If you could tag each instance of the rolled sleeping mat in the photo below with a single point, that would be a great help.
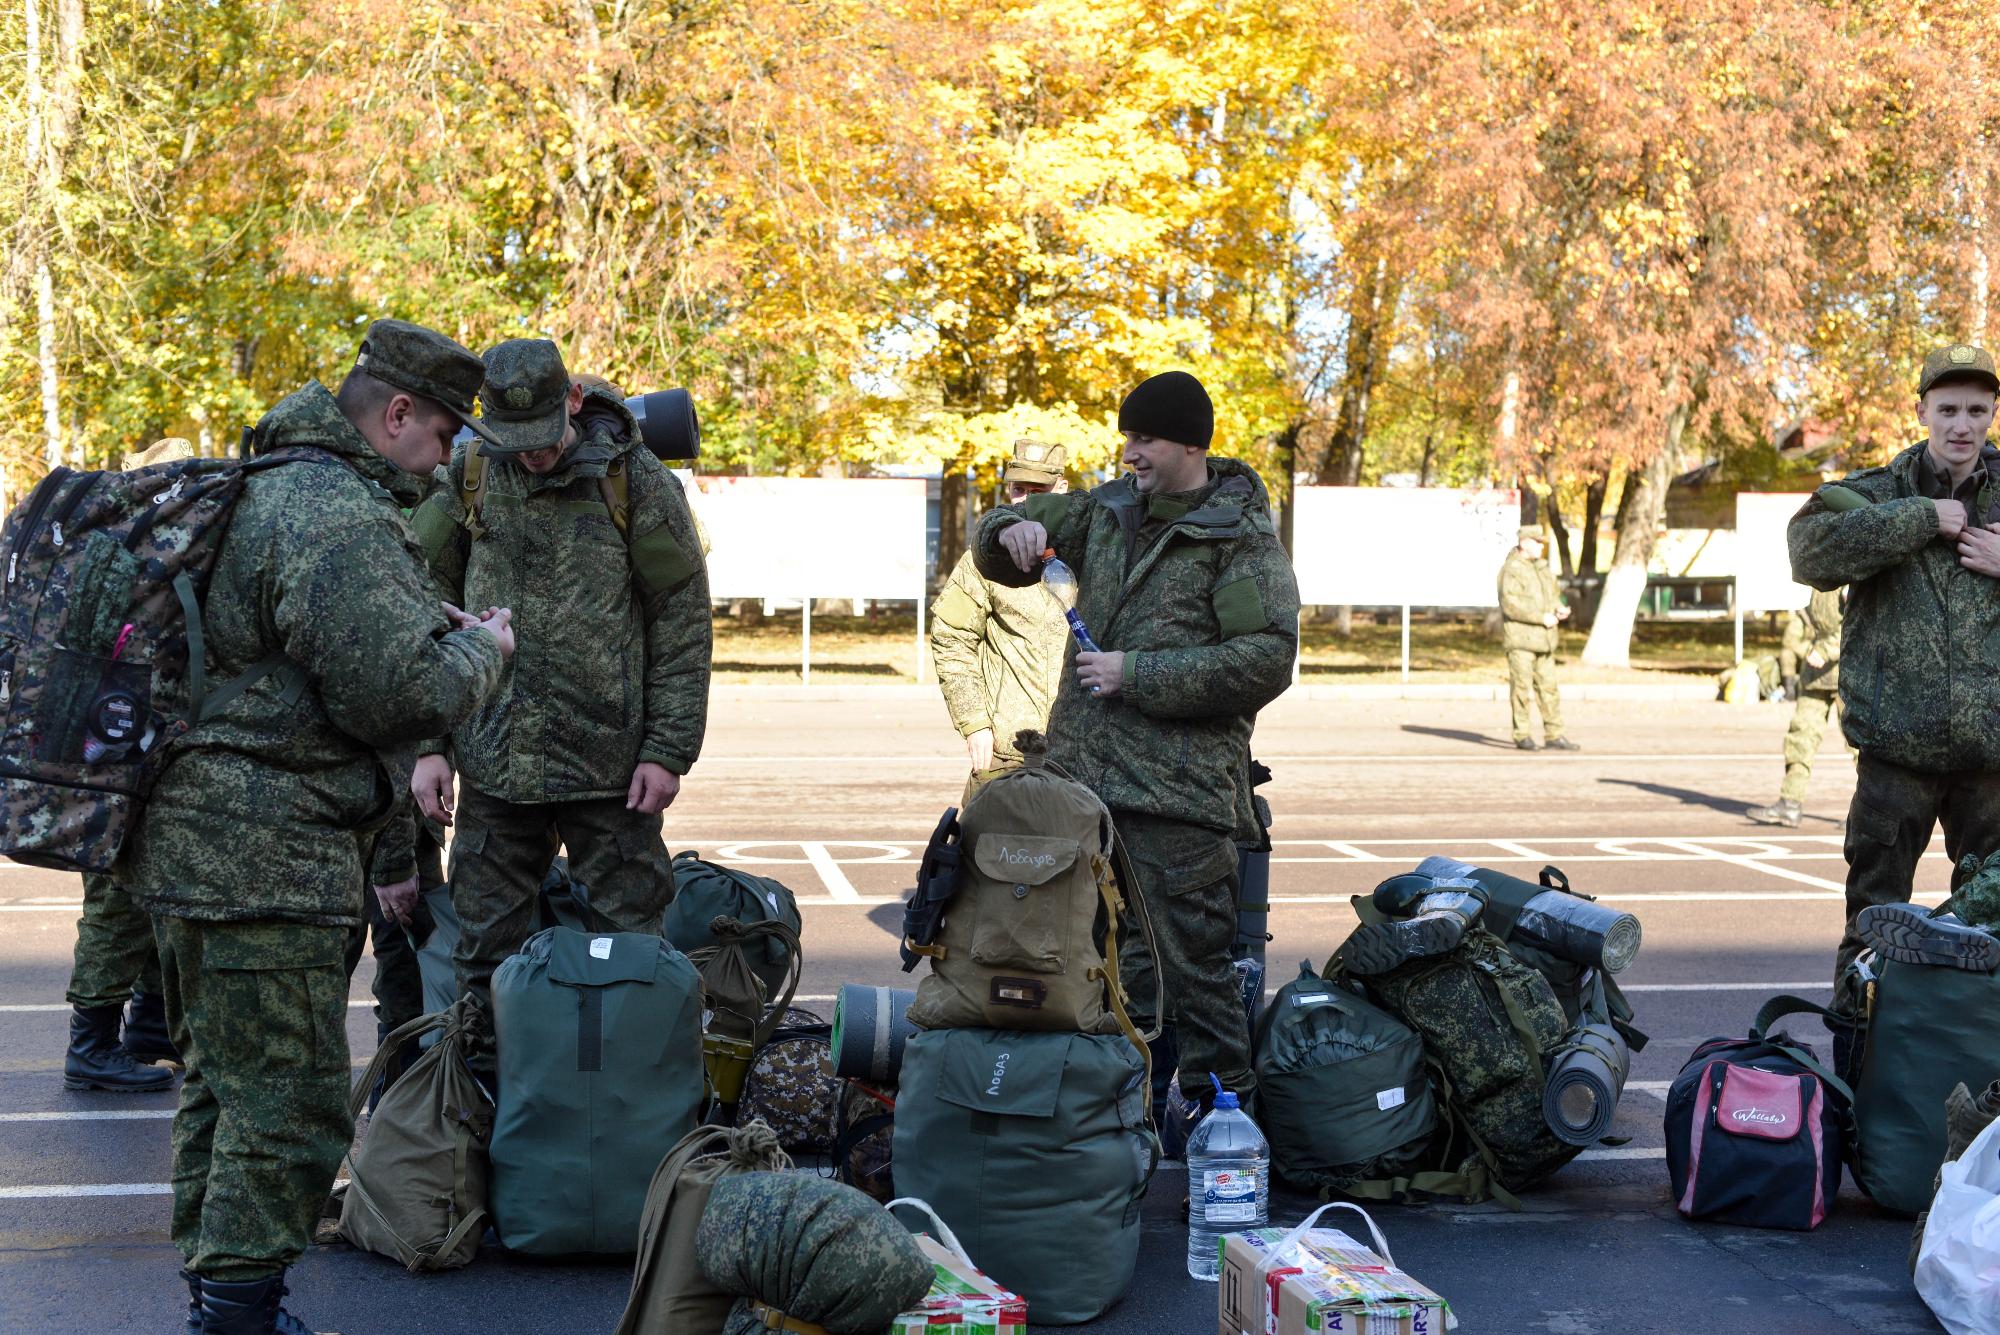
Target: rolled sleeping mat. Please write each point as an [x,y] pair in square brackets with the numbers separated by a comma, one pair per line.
[1580,930]
[870,1026]
[1584,1085]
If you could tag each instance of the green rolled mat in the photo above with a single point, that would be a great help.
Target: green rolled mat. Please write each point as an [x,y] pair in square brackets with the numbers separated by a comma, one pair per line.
[1585,1082]
[809,1248]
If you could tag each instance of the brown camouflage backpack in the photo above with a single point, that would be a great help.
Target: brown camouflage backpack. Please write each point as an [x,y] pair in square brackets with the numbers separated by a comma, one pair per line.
[791,1087]
[101,647]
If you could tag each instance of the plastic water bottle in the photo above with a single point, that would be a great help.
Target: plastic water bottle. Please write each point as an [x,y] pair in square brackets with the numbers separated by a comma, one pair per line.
[1060,581]
[1229,1182]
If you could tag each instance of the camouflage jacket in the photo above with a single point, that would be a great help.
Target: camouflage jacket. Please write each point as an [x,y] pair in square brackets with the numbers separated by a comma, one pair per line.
[1814,628]
[1528,592]
[1917,680]
[612,663]
[264,812]
[999,655]
[1203,604]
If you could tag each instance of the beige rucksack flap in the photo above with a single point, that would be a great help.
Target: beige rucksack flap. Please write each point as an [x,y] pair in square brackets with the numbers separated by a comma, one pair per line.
[669,1295]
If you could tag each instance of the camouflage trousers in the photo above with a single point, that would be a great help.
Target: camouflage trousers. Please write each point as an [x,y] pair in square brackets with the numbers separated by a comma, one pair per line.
[1809,719]
[398,986]
[1526,669]
[500,852]
[259,1013]
[1187,877]
[1889,825]
[115,952]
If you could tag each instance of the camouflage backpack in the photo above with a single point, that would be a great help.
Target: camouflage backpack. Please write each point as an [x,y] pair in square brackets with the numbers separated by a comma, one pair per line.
[791,1087]
[101,665]
[1489,1024]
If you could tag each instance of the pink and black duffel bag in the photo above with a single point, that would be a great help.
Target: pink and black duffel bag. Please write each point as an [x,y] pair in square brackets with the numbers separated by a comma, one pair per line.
[1757,1128]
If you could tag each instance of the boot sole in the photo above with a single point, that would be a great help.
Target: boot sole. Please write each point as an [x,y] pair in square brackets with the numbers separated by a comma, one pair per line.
[1909,936]
[1382,947]
[72,1082]
[1756,819]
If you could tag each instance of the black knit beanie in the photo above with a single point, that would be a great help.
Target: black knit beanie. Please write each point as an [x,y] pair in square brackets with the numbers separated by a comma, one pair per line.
[1171,406]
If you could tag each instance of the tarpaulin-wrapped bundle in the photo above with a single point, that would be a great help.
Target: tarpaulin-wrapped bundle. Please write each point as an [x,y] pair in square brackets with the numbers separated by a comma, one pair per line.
[801,1252]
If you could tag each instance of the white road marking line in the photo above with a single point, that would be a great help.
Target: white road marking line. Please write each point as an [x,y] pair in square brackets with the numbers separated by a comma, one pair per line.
[1354,854]
[131,1115]
[1738,860]
[1724,987]
[1623,1152]
[1506,757]
[837,885]
[1519,851]
[91,1189]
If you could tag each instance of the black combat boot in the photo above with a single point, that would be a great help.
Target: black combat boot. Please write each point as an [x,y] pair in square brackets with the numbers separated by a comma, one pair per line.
[1909,935]
[96,1061]
[248,1307]
[1784,811]
[146,1029]
[194,1301]
[1437,926]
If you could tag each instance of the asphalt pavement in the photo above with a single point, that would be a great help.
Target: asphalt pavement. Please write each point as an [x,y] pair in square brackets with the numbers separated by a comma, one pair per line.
[836,799]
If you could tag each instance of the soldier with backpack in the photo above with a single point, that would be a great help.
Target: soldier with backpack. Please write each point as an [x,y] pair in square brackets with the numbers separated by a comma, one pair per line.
[117,964]
[565,516]
[1186,587]
[250,852]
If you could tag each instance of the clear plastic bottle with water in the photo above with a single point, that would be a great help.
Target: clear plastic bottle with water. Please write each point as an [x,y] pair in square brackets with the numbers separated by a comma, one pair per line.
[1060,581]
[1229,1182]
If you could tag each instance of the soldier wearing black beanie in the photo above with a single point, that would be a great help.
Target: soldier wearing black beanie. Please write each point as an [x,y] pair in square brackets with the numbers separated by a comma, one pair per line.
[1170,406]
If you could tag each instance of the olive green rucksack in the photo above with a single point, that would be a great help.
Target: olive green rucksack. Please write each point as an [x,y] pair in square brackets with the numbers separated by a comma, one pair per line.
[1343,1092]
[599,1040]
[1028,937]
[1489,1023]
[704,892]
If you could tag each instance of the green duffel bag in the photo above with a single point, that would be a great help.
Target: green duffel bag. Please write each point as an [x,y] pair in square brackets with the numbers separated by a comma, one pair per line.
[1342,1091]
[599,1041]
[704,892]
[1928,1030]
[1035,1149]
[1489,1023]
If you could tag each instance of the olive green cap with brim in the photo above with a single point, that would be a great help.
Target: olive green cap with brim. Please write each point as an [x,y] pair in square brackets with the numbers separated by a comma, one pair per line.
[524,404]
[1960,361]
[423,361]
[1528,531]
[1036,462]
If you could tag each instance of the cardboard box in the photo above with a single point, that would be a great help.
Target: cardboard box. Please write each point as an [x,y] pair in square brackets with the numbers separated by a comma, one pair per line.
[962,1301]
[1330,1283]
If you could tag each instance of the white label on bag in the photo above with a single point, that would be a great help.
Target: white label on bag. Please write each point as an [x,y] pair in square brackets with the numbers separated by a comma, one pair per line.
[1229,1196]
[600,948]
[1386,1099]
[1310,999]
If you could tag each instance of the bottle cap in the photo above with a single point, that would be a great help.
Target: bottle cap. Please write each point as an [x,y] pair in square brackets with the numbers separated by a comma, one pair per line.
[1048,553]
[1224,1098]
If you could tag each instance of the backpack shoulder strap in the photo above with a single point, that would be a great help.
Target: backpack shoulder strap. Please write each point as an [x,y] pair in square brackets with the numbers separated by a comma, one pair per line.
[616,489]
[472,490]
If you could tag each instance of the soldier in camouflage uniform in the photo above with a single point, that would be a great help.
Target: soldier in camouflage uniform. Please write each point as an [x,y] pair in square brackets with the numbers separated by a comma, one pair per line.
[1188,592]
[604,711]
[1918,689]
[1531,604]
[999,651]
[1810,665]
[250,852]
[117,963]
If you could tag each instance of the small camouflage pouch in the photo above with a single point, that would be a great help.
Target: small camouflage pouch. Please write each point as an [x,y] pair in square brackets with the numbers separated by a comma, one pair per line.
[791,1086]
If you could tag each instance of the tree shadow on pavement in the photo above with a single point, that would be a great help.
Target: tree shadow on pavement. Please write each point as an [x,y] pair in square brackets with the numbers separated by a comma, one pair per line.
[1460,735]
[1729,806]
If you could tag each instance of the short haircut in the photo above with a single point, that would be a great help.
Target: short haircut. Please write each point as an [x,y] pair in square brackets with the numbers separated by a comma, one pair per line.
[361,394]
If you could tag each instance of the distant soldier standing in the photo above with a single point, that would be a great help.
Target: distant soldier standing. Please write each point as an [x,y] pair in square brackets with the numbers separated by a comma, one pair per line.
[1532,606]
[1186,588]
[999,650]
[1810,665]
[1916,545]
[250,851]
[568,519]
[117,963]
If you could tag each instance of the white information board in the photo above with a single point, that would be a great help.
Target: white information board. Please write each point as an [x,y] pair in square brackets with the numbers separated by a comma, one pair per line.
[1763,565]
[813,537]
[1391,546]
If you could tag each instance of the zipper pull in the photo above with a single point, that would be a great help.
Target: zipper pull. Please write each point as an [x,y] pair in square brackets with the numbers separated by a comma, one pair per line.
[6,686]
[13,566]
[55,529]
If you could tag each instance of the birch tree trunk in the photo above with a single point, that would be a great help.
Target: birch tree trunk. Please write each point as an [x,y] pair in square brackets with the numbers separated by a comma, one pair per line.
[1640,514]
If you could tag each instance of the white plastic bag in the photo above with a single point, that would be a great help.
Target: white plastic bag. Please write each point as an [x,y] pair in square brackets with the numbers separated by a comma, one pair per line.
[1958,1268]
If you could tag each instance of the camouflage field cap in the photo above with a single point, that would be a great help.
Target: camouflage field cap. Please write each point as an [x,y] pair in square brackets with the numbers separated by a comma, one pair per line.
[1528,531]
[1960,361]
[524,403]
[425,362]
[165,450]
[1036,462]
